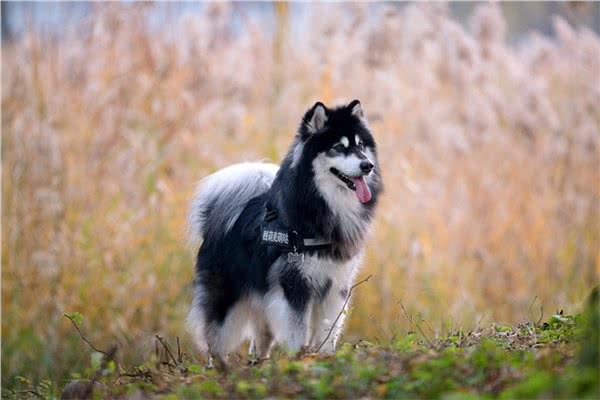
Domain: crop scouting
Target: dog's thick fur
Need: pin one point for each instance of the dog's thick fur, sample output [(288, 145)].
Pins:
[(247, 290)]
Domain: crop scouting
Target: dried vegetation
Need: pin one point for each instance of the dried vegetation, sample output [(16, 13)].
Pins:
[(490, 152)]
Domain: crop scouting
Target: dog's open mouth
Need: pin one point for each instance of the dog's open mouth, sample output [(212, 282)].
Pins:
[(356, 183)]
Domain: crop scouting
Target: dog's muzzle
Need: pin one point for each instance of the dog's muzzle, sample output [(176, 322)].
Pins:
[(344, 178)]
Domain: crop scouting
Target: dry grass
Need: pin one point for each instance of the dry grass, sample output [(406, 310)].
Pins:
[(490, 154)]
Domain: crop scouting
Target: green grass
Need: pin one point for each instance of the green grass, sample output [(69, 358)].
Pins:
[(554, 359)]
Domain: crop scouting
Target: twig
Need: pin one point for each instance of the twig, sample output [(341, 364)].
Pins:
[(532, 303), (342, 311), (85, 339), (412, 322), (541, 311), (179, 356), (157, 353), (137, 373), (530, 306), (428, 325), (108, 356), (105, 360), (29, 391), (479, 322), (167, 349)]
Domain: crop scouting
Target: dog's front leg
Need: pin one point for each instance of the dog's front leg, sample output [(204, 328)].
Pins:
[(289, 315), (297, 337), (328, 317)]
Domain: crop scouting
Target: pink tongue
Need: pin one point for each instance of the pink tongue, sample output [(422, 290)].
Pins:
[(362, 190)]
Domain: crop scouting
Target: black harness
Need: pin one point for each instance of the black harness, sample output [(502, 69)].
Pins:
[(274, 233)]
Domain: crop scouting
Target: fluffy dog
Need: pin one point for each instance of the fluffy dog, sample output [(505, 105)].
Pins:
[(281, 246)]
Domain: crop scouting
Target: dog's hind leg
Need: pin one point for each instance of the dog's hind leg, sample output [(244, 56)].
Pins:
[(216, 348), (224, 338), (196, 324), (206, 339)]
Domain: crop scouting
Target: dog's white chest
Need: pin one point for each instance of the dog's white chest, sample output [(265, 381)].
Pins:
[(319, 271)]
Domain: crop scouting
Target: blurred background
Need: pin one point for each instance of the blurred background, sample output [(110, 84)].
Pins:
[(487, 118)]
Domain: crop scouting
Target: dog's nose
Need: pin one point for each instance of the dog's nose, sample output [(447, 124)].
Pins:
[(366, 166)]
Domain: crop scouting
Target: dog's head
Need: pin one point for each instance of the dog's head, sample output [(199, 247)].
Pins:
[(341, 149)]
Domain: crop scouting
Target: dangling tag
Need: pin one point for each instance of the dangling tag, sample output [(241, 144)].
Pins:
[(295, 258)]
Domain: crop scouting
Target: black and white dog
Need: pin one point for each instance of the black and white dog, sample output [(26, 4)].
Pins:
[(281, 245)]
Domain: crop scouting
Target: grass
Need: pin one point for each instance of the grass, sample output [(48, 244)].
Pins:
[(554, 359)]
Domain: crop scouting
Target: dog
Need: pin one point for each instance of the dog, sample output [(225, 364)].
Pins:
[(281, 245)]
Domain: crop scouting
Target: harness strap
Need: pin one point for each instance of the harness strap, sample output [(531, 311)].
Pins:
[(310, 242), (273, 233)]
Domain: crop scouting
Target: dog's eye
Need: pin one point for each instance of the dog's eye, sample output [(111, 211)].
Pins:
[(361, 145), (339, 147)]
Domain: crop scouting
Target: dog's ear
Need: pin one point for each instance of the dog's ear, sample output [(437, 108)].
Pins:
[(314, 119), (356, 109)]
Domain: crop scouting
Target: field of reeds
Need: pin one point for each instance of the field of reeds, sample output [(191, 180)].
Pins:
[(490, 153)]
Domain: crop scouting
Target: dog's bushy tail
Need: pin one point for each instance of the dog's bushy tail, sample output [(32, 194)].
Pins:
[(222, 196)]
